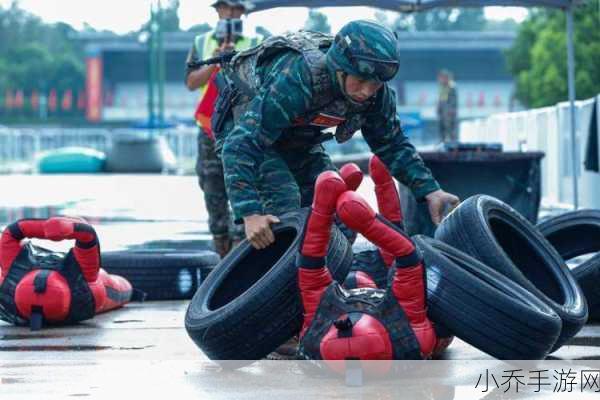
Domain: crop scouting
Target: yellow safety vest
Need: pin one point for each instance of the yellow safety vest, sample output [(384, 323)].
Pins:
[(206, 45)]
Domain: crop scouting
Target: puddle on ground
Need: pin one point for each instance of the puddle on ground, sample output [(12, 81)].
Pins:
[(9, 381), (32, 336), (125, 321), (70, 348)]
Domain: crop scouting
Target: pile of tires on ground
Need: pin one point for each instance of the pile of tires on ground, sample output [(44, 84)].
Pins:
[(493, 279), (162, 274)]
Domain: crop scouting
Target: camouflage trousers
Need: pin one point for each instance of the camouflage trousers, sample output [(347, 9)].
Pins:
[(448, 129), (210, 178)]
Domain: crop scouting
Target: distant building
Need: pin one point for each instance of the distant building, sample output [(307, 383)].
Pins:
[(117, 71)]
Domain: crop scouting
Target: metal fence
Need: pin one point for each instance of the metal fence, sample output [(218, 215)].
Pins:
[(20, 145), (547, 130)]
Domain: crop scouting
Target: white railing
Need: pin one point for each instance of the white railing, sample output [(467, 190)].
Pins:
[(20, 145), (547, 130)]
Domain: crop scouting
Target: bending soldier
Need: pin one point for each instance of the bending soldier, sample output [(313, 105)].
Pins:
[(278, 99)]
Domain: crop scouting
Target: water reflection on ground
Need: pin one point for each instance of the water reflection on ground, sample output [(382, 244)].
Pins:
[(128, 211)]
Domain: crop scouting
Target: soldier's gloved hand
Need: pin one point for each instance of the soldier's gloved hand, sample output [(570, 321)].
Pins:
[(440, 203), (258, 230)]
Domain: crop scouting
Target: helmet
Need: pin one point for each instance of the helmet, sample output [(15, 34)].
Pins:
[(234, 3), (365, 49)]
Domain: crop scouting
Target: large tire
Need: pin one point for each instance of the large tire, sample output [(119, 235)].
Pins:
[(574, 234), (498, 236), (483, 307), (139, 154), (250, 303), (162, 275)]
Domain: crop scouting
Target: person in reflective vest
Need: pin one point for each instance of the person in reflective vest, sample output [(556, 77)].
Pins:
[(365, 323), (39, 286), (208, 167)]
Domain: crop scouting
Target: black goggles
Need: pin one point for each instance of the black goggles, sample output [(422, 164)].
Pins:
[(384, 70)]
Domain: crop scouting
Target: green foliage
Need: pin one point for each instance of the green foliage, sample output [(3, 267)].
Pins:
[(317, 21), (200, 28), (538, 56), (37, 56), (169, 19)]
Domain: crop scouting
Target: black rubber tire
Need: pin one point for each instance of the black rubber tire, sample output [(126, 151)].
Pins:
[(497, 235), (574, 234), (162, 275), (139, 154), (250, 303), (483, 307)]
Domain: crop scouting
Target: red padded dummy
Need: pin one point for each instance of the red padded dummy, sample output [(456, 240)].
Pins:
[(408, 283)]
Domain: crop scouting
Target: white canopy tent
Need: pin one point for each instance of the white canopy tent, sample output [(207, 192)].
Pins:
[(420, 5)]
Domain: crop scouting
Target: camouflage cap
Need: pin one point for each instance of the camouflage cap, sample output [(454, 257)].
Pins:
[(365, 49)]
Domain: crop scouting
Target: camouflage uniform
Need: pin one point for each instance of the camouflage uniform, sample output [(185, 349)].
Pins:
[(286, 94), (208, 168), (447, 112)]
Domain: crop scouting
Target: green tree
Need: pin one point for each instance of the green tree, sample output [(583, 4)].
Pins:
[(317, 21), (169, 18), (200, 28), (537, 59), (38, 56)]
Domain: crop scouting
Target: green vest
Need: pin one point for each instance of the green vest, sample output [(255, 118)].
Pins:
[(206, 45)]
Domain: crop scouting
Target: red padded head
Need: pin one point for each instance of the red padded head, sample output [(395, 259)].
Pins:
[(55, 300), (356, 336)]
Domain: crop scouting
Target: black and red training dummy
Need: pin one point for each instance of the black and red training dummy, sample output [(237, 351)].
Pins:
[(40, 286), (364, 323)]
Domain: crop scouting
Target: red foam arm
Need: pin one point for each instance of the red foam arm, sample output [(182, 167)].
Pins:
[(89, 261), (356, 213), (328, 187), (388, 200), (62, 228), (312, 284), (352, 175), (9, 249), (408, 287)]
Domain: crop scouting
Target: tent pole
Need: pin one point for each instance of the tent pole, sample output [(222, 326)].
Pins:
[(571, 84)]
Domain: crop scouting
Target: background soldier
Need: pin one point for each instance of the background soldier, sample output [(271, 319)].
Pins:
[(227, 36), (447, 107), (289, 89)]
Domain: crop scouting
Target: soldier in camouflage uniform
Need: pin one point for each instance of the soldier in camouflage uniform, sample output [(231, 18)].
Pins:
[(279, 97), (208, 168), (447, 107)]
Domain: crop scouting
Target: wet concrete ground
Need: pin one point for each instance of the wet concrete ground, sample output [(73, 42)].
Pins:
[(143, 350)]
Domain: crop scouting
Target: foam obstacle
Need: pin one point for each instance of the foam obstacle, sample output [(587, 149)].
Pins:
[(39, 286)]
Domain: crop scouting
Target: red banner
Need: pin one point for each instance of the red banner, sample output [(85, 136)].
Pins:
[(52, 100), (94, 88), (67, 100)]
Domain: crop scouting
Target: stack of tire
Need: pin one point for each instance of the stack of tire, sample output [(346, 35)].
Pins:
[(250, 304), (493, 280), (525, 301), (162, 274)]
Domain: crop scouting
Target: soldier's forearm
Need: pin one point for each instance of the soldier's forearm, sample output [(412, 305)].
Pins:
[(198, 78)]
